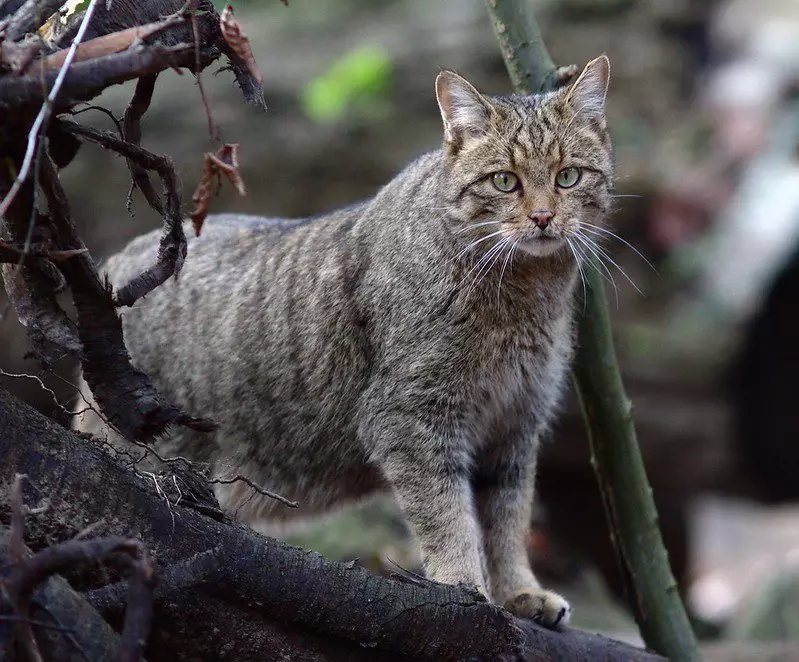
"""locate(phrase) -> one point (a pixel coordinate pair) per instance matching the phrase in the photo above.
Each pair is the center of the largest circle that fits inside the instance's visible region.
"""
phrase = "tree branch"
(616, 456)
(269, 596)
(172, 248)
(125, 394)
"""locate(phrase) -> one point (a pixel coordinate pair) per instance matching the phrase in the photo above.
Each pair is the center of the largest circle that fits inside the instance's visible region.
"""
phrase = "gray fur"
(371, 348)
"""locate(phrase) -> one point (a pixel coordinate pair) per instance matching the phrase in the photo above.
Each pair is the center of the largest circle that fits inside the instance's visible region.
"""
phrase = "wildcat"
(417, 341)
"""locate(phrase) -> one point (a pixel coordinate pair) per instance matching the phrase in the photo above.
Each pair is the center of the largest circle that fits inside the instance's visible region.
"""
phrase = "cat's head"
(532, 170)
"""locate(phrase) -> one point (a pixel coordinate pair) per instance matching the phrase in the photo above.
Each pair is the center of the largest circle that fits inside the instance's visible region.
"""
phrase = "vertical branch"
(526, 56)
(616, 456)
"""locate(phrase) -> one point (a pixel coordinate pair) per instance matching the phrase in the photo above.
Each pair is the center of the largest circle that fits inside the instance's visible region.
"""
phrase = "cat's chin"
(542, 246)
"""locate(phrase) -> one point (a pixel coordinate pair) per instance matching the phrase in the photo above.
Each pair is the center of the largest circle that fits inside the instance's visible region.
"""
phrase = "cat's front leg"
(430, 478)
(504, 486)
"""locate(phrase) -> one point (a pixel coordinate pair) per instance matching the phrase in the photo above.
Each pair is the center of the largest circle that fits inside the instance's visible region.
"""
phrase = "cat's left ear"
(587, 95)
(464, 110)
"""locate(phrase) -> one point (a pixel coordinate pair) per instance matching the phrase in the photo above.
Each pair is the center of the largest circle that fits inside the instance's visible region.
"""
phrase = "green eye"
(505, 181)
(568, 177)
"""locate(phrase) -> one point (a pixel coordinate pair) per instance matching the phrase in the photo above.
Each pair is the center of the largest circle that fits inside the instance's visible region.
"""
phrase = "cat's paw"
(544, 607)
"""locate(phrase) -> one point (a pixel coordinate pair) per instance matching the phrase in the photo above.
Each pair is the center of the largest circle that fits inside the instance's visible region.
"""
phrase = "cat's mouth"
(541, 244)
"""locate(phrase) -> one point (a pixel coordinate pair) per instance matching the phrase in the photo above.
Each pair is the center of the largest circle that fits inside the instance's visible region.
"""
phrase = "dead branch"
(34, 256)
(270, 597)
(27, 571)
(124, 394)
(51, 332)
(111, 43)
(138, 105)
(30, 17)
(260, 490)
(25, 575)
(32, 282)
(172, 248)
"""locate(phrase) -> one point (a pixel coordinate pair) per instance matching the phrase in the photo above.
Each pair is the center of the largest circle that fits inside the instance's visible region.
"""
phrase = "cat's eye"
(568, 177)
(505, 181)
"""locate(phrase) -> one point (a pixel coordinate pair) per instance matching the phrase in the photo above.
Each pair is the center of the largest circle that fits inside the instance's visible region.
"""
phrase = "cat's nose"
(541, 218)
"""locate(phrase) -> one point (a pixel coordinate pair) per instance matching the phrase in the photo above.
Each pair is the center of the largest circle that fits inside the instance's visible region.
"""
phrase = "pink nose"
(541, 218)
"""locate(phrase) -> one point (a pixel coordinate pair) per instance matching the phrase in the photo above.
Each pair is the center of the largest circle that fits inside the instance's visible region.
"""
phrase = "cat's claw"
(545, 607)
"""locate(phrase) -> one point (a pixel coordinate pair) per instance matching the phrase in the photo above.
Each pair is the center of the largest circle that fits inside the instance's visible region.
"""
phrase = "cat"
(418, 341)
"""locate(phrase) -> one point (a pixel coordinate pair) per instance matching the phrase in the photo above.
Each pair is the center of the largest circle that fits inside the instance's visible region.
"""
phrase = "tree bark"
(616, 456)
(226, 592)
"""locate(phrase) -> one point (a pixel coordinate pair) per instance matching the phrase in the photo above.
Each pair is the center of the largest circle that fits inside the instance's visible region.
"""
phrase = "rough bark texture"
(630, 509)
(226, 592)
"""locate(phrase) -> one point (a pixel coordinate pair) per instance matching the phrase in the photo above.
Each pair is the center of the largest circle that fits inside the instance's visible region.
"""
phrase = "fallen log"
(226, 592)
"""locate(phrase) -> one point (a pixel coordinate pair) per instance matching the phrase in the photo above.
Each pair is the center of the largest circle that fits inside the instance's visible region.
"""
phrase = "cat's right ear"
(464, 110)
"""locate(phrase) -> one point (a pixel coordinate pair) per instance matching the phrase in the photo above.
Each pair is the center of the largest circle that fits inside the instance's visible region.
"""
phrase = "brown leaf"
(226, 162)
(239, 41)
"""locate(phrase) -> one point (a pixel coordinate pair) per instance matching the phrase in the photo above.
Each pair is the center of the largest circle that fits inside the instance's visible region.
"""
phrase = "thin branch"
(257, 488)
(616, 456)
(138, 105)
(39, 128)
(212, 129)
(172, 248)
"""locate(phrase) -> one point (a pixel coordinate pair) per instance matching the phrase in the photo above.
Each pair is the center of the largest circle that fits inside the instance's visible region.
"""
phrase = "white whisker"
(598, 228)
(604, 254)
(579, 270)
(478, 225)
(474, 243)
(609, 277)
(504, 266)
(487, 261)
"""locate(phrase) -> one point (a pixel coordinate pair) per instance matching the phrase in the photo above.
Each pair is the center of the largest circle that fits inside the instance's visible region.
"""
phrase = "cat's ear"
(587, 95)
(464, 110)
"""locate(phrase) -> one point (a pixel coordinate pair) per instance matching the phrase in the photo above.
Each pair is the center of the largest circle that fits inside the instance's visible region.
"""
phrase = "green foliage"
(360, 79)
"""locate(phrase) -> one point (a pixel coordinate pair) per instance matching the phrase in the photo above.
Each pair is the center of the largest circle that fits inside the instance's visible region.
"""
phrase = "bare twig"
(39, 128)
(616, 456)
(256, 488)
(51, 392)
(172, 249)
(213, 130)
(138, 105)
(13, 254)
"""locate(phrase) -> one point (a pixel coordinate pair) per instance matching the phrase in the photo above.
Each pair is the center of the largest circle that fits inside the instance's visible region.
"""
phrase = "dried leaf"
(226, 162)
(239, 41)
(202, 196)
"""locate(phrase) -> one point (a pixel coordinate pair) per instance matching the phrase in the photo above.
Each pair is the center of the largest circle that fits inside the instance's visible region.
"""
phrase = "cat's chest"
(521, 375)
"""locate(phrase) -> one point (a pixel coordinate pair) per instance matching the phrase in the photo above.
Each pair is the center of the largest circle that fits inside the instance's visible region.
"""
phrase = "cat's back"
(225, 239)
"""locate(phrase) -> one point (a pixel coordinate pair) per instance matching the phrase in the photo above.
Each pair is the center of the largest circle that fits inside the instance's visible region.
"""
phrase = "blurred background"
(704, 110)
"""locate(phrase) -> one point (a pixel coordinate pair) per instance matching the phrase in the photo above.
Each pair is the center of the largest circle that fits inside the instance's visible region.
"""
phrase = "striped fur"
(418, 341)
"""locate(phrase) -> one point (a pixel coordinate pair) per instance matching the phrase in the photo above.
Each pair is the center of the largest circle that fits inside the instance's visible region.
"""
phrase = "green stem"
(616, 456)
(523, 49)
